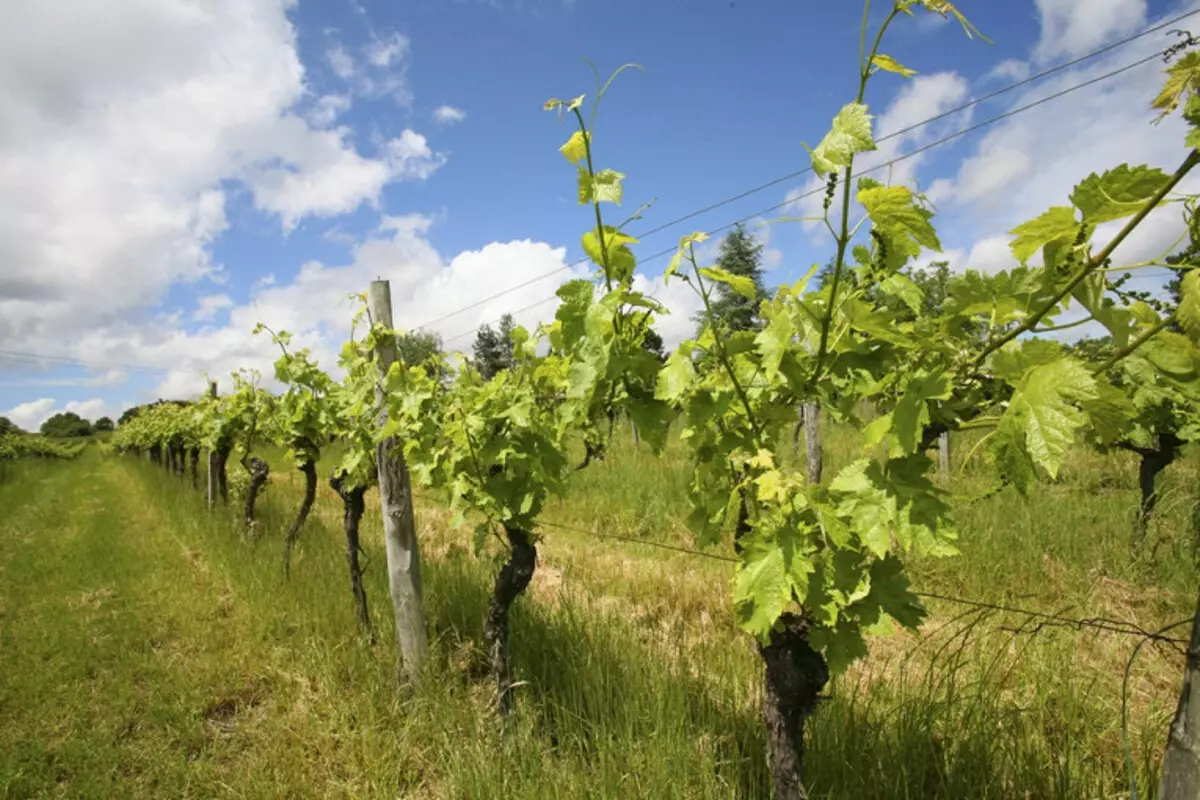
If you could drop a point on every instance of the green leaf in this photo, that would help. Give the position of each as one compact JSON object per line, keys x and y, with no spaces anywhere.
{"x":1118,"y":193}
{"x":773,"y":341}
{"x":850,"y":134}
{"x":902,"y":286}
{"x":739,"y":283}
{"x":890,"y":590}
{"x":1182,"y":76}
{"x":1188,"y":313}
{"x":890,"y":64}
{"x":676,"y":375}
{"x":761,"y":591}
{"x":605,"y":187}
{"x":895,"y":213}
{"x":575,"y":148}
{"x":1041,"y":410}
{"x":842,"y":645}
{"x":1056,"y":225}
{"x":621,"y":260}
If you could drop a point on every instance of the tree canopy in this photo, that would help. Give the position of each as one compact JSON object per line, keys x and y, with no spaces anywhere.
{"x":493,"y":349}
{"x":65,"y":424}
{"x":740,"y":255}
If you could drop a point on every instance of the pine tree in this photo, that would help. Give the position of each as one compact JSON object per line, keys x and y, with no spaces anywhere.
{"x":493,"y":349}
{"x":740,"y":254}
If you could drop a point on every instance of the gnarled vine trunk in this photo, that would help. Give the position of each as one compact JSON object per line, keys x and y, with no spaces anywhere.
{"x":794,"y":676}
{"x":193,"y":466}
{"x":1152,"y":461}
{"x":353,"y":506}
{"x":222,"y":475}
{"x":310,"y":494}
{"x":259,"y":472}
{"x":512,"y":580}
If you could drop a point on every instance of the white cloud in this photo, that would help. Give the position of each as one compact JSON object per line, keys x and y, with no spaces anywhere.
{"x":1071,"y":28}
{"x":208,"y":306}
{"x":410,"y":158}
{"x":30,"y":416}
{"x":340,"y":62}
{"x":381,"y":70}
{"x":386,"y":52}
{"x":1031,"y":161}
{"x":1011,"y":69}
{"x":109,"y":378}
{"x":448,"y":115}
{"x":316,"y":308}
{"x":327,"y":109}
{"x":122,"y":124}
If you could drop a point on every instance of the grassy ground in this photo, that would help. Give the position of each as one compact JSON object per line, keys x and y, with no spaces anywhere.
{"x":151,"y":649}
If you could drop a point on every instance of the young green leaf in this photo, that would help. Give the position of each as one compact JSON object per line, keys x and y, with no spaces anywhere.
{"x":575,"y":148}
{"x":739,"y":283}
{"x":851,"y":134}
{"x":676,"y":375}
{"x":894,"y":211}
{"x":761,"y":591}
{"x":1118,"y":193}
{"x":1189,"y":303}
{"x":1056,"y":225}
{"x":890,"y":64}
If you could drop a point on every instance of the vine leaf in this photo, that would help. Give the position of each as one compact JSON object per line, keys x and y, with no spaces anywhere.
{"x":1182,"y":76}
{"x":851,"y":134}
{"x":761,"y":591}
{"x":1058,"y":225}
{"x":676,"y":375}
{"x":1041,"y":414}
{"x":575,"y":148}
{"x":739,"y":283}
{"x":1117,"y":193}
{"x":886,"y":62}
{"x":895,"y":214}
{"x":1189,"y":304}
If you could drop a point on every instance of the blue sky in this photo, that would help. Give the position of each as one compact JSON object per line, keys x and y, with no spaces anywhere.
{"x":180,"y":176}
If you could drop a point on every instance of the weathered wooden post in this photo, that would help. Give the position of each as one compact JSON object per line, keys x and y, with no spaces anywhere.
{"x":395,"y":497}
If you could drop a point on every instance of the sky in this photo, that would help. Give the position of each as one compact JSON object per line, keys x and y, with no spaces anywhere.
{"x":174,"y":171}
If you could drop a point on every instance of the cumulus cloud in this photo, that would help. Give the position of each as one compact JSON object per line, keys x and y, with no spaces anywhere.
{"x":328,"y":108}
{"x":380,"y":68}
{"x":1031,"y":161}
{"x":122,"y":126}
{"x":208,"y":306}
{"x":448,"y":115}
{"x":30,"y":416}
{"x":1071,"y":28}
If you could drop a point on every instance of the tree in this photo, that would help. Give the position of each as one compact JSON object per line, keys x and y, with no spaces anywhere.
{"x":65,"y":424}
{"x":7,"y":426}
{"x":420,"y":347}
{"x":653,"y":344}
{"x":493,"y":349}
{"x":103,"y":424}
{"x":741,"y":256}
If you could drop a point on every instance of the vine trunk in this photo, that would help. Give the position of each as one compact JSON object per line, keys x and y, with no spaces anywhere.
{"x":353,"y":507}
{"x":512,"y":580}
{"x":310,"y":494}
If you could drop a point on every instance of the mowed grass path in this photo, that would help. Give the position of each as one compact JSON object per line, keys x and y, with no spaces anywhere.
{"x":150,"y":649}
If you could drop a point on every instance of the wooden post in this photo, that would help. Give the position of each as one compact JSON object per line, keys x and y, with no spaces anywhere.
{"x":1181,"y":760}
{"x":944,"y":454}
{"x":212,"y":459}
{"x":812,"y":441}
{"x":395,"y":497}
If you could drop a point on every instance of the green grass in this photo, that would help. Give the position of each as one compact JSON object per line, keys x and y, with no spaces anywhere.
{"x":151,"y":649}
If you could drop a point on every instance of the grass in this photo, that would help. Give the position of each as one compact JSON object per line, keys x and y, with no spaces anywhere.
{"x":153,"y":649}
